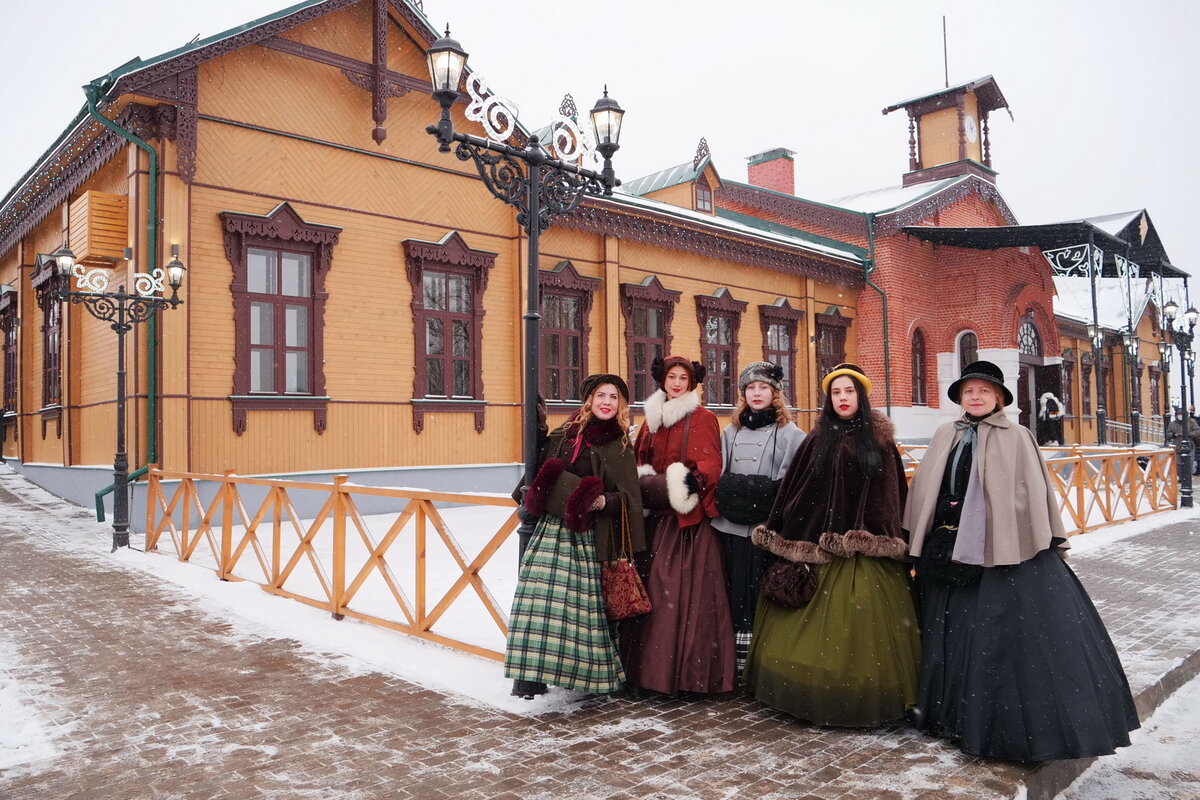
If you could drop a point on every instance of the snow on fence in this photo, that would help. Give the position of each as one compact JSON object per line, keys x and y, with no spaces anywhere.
{"x":448,"y":575}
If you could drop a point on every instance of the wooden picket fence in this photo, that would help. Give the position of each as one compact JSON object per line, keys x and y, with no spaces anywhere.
{"x":327,"y":562}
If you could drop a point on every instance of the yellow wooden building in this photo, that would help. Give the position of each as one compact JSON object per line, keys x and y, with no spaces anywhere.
{"x":353,"y":297}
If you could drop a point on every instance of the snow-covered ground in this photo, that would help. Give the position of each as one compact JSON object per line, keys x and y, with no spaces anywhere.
{"x":351,"y":645}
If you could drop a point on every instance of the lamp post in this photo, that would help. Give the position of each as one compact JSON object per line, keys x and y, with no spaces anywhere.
{"x":1164,"y":355}
{"x":122,"y":311}
{"x":539,"y":187}
{"x":1096,"y":334}
{"x":1182,"y":339}
{"x":1132,"y":345}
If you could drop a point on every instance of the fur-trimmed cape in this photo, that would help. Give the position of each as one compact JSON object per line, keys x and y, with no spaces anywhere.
{"x":832,"y":509}
{"x":660,"y":453}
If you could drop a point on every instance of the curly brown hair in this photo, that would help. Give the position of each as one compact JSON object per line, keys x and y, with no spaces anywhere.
{"x":783,"y":414}
{"x":622,"y":416}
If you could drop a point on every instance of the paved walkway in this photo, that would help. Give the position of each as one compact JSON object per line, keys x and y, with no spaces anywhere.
{"x":149,"y":697}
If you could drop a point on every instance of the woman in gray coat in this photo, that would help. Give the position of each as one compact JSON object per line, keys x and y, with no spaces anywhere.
{"x":756,"y":447}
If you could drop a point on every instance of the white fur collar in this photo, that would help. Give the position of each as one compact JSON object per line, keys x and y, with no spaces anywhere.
{"x":662,"y":412}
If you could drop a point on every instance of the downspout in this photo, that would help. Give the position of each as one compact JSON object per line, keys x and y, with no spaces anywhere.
{"x":887,"y":357}
{"x":93,"y":91}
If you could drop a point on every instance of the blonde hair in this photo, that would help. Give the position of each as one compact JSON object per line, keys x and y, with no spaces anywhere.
{"x":783,"y":414}
{"x":622,"y":416}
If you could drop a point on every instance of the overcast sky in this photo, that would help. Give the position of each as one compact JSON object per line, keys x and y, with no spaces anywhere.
{"x":1102,"y":92}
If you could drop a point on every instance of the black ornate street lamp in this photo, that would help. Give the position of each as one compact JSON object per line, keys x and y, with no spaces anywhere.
{"x":1096,"y":334}
{"x":1132,"y":345}
{"x":539,"y":187}
{"x":1182,"y":339}
{"x":122,"y":311}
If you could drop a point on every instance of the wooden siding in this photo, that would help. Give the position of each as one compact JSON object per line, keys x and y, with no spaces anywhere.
{"x":99,"y":228}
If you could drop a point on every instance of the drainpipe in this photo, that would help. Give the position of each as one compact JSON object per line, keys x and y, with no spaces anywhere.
{"x":887,"y":357}
{"x":93,"y":91}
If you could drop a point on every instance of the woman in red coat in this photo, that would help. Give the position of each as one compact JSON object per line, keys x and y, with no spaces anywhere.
{"x":685,"y":643}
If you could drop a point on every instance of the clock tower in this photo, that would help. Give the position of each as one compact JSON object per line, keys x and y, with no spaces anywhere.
{"x":948,"y":131}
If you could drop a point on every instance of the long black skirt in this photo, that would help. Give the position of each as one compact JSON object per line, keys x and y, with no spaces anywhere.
{"x":1019,"y":666}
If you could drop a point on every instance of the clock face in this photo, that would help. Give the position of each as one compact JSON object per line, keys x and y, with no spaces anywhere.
{"x":970,"y":128}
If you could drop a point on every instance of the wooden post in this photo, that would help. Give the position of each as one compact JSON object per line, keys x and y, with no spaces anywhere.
{"x":421,"y":565}
{"x":227,"y":493}
{"x":153,"y":490}
{"x":338,"y":590}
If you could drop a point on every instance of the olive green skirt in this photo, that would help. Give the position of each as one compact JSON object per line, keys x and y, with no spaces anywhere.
{"x":851,"y":657}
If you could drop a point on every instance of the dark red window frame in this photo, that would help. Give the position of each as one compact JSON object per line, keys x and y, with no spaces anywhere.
{"x":720,"y":318}
{"x":704,"y":196}
{"x":786,"y":321}
{"x":648,"y":296}
{"x":45,"y":285}
{"x":561,"y":288}
{"x":283,"y":229}
{"x":8,"y":336}
{"x":452,"y":257}
{"x":831,"y":330}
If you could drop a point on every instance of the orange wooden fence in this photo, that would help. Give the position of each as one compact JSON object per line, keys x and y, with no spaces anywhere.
{"x":269,"y":543}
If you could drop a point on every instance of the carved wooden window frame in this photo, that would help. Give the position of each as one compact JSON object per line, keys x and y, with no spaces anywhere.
{"x":1068,"y":387}
{"x":720,"y":389}
{"x":564,"y":281}
{"x":704,"y":195}
{"x":283,"y":229}
{"x":831,"y":328}
{"x":450,"y":255}
{"x":8,"y":351}
{"x":1138,"y":367}
{"x":45,"y":285}
{"x":651,"y":294}
{"x":1085,"y":385}
{"x":1155,"y":390}
{"x":920,"y":370}
{"x":781,"y":314}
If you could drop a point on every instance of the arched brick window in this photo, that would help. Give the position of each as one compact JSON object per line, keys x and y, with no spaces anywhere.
{"x":920,"y":390}
{"x":968,"y":349}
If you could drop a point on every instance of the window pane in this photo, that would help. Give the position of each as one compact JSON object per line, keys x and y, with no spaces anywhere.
{"x":462,"y":378}
{"x":433,"y":338}
{"x":571,"y":378}
{"x":639,"y":320}
{"x":654,"y":322}
{"x":262,"y":267}
{"x":462,"y":338}
{"x":262,"y":323}
{"x":296,"y":326}
{"x":262,"y":370}
{"x":640,"y":363}
{"x":297,"y":371}
{"x":551,"y":311}
{"x":572,"y":357}
{"x":297,"y":274}
{"x":550,"y":352}
{"x":460,"y":294}
{"x":551,"y":385}
{"x":571,"y":313}
{"x":434,"y":285}
{"x":435,"y":381}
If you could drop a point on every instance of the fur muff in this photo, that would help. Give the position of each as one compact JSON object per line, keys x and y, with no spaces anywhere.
{"x":578,"y":516}
{"x":646,"y":470}
{"x":543,"y":484}
{"x":789,"y":549}
{"x":860,"y":541}
{"x":680,"y":498}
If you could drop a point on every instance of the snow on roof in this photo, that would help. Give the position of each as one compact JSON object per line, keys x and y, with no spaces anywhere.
{"x":1112,"y":224}
{"x":845,"y":252}
{"x":1074,"y":300}
{"x":671,"y":176}
{"x":892,"y":198}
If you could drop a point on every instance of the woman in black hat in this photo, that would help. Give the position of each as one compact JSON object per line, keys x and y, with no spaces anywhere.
{"x":1016,"y":662}
{"x":850,"y":656}
{"x":586,"y":493}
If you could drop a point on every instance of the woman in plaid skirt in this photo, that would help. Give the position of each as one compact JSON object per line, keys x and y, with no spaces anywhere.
{"x":585,"y":493}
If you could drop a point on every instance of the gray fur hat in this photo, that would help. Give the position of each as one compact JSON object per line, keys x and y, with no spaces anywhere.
{"x":765,"y":371}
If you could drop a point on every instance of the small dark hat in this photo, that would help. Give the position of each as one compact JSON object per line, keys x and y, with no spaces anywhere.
{"x":765,"y":371}
{"x":593,"y":382}
{"x":984,"y":371}
{"x":661,"y":366}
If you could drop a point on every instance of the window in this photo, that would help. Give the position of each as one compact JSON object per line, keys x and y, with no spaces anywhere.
{"x":831,"y":343}
{"x":1155,"y":405}
{"x":704,"y":196}
{"x":448,"y":280}
{"x":720,"y":318}
{"x":648,"y":308}
{"x":51,"y":352}
{"x":1068,"y":390}
{"x":968,"y":350}
{"x":1085,"y":386}
{"x":779,"y":326}
{"x":920,"y":390}
{"x":279,"y":267}
{"x":1029,"y":341}
{"x":8,"y":330}
{"x":566,"y":307}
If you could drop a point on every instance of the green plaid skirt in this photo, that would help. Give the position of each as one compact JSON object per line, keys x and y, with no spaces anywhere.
{"x":558,"y":632}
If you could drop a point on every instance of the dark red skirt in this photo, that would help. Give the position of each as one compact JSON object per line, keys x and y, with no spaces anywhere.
{"x":685,"y":644}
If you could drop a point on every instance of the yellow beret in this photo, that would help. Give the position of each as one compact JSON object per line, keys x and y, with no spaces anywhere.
{"x":852,"y":370}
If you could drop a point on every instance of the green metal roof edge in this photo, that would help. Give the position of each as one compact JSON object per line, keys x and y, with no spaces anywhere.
{"x":775,"y":227}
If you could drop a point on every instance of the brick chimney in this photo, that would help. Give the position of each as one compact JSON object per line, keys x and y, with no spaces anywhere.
{"x":773,"y":170}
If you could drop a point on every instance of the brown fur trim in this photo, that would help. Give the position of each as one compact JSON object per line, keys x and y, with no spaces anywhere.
{"x":791,"y":550}
{"x":860,"y":541}
{"x":835,"y":544}
{"x":543,"y":484}
{"x":885,"y":430}
{"x":578,"y":515}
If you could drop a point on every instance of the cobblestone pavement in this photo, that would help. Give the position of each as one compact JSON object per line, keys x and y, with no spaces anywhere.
{"x":148,"y":697}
